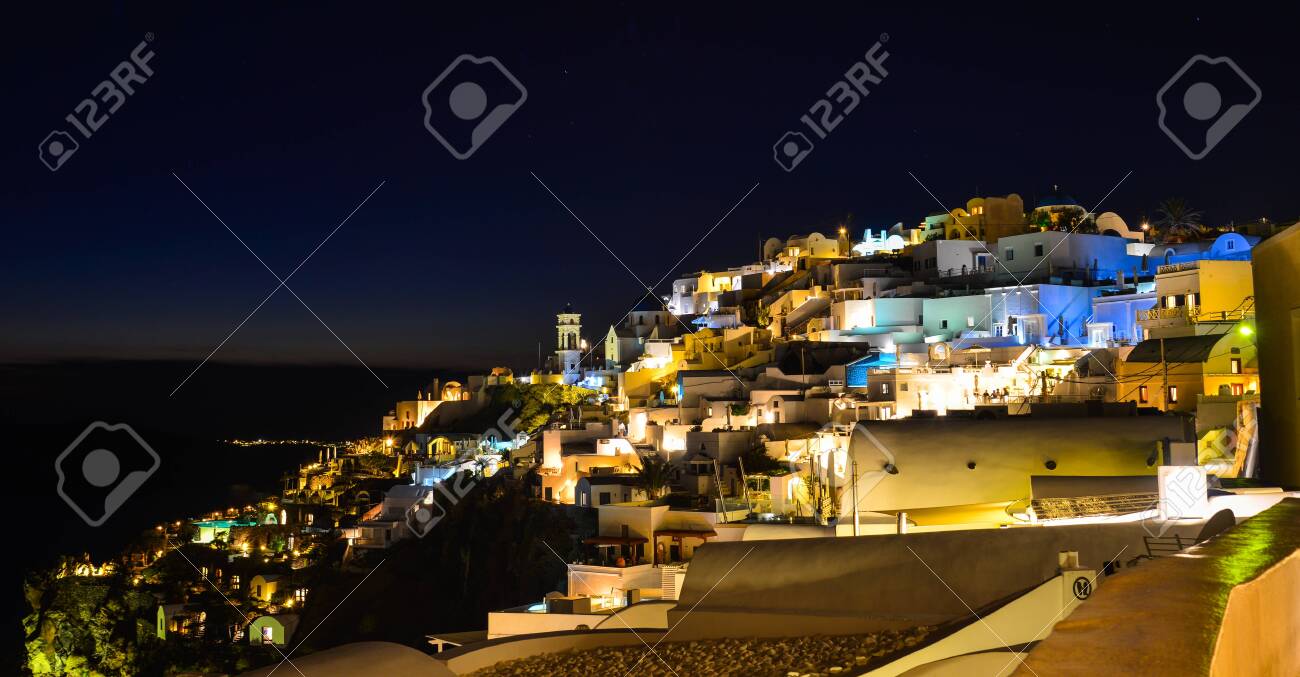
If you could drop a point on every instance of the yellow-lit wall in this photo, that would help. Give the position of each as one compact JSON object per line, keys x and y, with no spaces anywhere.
{"x":1224,"y":285}
{"x":931,"y":457}
{"x":1277,"y":308}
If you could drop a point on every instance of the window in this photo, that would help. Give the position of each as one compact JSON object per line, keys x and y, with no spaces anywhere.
{"x":903,"y":387}
{"x":268,"y":634}
{"x":1232,"y":245}
{"x":604,"y":498}
{"x":945,"y":324}
{"x":1142,"y":394}
{"x":1238,"y":389}
{"x":1011,"y":255}
{"x":970,"y":320}
{"x":884,"y":388}
{"x":1236,"y":365}
{"x":1038,"y":250}
{"x":1173,"y":394}
{"x":549,"y":493}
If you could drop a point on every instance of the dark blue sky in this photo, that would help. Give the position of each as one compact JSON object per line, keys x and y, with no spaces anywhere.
{"x":649,"y":124}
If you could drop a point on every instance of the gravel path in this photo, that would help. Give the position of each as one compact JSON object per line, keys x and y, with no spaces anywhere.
{"x":818,"y":656}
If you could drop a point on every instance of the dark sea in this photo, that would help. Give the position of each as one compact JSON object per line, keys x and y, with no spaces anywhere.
{"x":44,"y":408}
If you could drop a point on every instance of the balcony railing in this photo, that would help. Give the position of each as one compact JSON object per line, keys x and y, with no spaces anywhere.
{"x":1177,"y":267}
{"x":1160,"y":313}
{"x":1194,"y":314}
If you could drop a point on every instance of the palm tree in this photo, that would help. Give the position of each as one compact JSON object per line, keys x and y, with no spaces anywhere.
{"x":1176,"y":221}
{"x":654,"y":475}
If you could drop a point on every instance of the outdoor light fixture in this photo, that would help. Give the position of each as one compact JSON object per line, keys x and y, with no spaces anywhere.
{"x":1246,"y":330}
{"x":1050,"y":464}
{"x":970,"y":465}
{"x":891,"y":468}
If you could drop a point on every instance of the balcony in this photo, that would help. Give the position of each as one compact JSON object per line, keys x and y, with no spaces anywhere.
{"x":1177,"y":267}
{"x":1194,"y":314}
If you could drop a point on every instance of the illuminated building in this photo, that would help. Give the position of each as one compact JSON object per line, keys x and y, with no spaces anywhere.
{"x":985,"y":219}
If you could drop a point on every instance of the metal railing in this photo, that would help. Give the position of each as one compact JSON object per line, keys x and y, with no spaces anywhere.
{"x":1177,"y":267}
{"x":1194,"y":314}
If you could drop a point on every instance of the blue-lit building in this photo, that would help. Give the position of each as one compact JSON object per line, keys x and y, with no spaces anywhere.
{"x":855,"y":372}
{"x":1226,"y":247}
{"x":1114,"y":315}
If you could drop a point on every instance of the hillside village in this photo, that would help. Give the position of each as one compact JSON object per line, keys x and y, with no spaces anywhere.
{"x":1037,"y":374}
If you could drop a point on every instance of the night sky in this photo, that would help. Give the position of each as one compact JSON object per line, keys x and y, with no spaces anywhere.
{"x":650,"y":125}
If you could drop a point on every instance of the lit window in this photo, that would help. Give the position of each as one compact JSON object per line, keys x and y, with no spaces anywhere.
{"x":1142,"y":394}
{"x":1173,"y":394}
{"x":884,"y":388}
{"x":1238,"y":389}
{"x":970,"y":320}
{"x":1236,"y":365}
